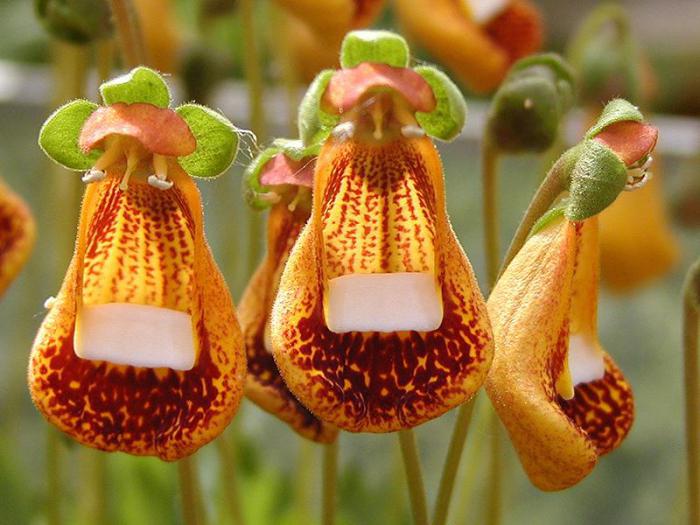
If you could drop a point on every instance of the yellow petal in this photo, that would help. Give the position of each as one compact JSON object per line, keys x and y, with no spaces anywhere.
{"x":264,"y":385}
{"x":141,"y":246}
{"x":17,"y":233}
{"x":547,"y":295}
{"x":379,"y":208}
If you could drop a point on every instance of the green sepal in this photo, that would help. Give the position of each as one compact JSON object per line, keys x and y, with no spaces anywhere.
{"x":75,"y":21}
{"x":60,"y":133}
{"x":528,"y":108}
{"x":597,"y":178}
{"x":616,"y":110}
{"x":374,"y":46}
{"x":141,"y":84}
{"x":253,"y":190}
{"x":314,"y":123}
{"x":217,"y":141}
{"x":555,"y":212}
{"x":446,"y":121}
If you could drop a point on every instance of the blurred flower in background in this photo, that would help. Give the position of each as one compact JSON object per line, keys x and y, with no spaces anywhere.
{"x":17,"y":233}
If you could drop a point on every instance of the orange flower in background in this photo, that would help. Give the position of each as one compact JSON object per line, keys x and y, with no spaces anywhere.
{"x":290,"y":182}
{"x":477,"y":40}
{"x":379,"y":323}
{"x":161,"y":33}
{"x":141,"y":350}
{"x":17,"y":232}
{"x":561,"y":397}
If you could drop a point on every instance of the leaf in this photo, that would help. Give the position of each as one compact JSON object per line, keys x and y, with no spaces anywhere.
{"x":446,"y":121}
{"x":141,"y":84}
{"x":314,"y":123}
{"x":217,"y":141}
{"x":374,"y":46}
{"x":59,"y":135}
{"x":615,"y":111}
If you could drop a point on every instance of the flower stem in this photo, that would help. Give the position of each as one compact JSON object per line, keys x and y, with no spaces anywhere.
{"x":129,"y":34}
{"x":53,"y":477}
{"x":495,"y":488}
{"x":414,"y":477}
{"x":256,"y":108}
{"x":489,"y":177}
{"x":691,"y":307}
{"x":452,"y":460}
{"x":191,"y":497}
{"x":330,"y":475}
{"x":227,"y":464}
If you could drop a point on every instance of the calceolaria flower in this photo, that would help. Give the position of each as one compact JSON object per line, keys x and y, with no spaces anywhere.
{"x":561,"y":397}
{"x":379,"y":323}
{"x":141,"y":350}
{"x":281,"y":177}
{"x":477,"y":39}
{"x":17,"y":234}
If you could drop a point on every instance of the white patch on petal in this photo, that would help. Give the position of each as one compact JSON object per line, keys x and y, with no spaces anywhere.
{"x":384,"y":302}
{"x":136,"y":335}
{"x":586,"y":362}
{"x":484,"y":11}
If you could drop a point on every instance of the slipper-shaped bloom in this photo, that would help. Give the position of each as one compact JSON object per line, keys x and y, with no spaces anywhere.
{"x":477,"y":39}
{"x":17,"y":234}
{"x":141,"y":350}
{"x":561,"y":397}
{"x":283,"y":178}
{"x":379,"y":323}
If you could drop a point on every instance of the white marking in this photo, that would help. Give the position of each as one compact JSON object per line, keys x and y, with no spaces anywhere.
{"x":484,"y":11}
{"x":135,"y":335}
{"x":384,"y":302}
{"x":586,"y":362}
{"x":50,"y":301}
{"x":344,"y":131}
{"x":93,"y":175}
{"x":161,"y":184}
{"x":411,"y":131}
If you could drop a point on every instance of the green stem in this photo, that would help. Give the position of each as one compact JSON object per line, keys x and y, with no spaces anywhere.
{"x":191,"y":496}
{"x":227,"y":464}
{"x":452,"y":460}
{"x":130,"y":39}
{"x":53,"y":477}
{"x":691,"y":307}
{"x":93,"y":501}
{"x":495,"y":489}
{"x":330,"y":477}
{"x":414,"y":477}
{"x":489,"y":176}
{"x":258,"y":124}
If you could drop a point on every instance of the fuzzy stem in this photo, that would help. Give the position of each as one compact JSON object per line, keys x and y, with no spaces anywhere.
{"x":449,"y":470}
{"x":129,"y":35}
{"x":691,"y":307}
{"x":191,"y":497}
{"x":229,"y":480}
{"x":256,"y":108}
{"x":414,"y":477}
{"x":330,"y":475}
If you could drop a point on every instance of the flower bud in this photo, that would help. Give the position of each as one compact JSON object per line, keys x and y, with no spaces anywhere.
{"x":76,"y":21}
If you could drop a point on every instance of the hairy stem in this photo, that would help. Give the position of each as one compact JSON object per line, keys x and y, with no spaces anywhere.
{"x":414,"y":477}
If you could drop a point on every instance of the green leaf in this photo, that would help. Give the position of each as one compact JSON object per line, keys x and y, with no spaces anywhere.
{"x":217,"y":141}
{"x":314,"y":123}
{"x":446,"y":121}
{"x":550,"y":217}
{"x":616,"y":110}
{"x":295,"y":148}
{"x":141,"y":84}
{"x":597,"y":179}
{"x":60,"y":133}
{"x":374,"y":46}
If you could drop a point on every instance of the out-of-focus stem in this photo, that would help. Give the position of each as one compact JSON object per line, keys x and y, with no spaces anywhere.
{"x":691,"y":309}
{"x":330,"y":480}
{"x":229,"y":478}
{"x":53,"y":477}
{"x":128,"y":31}
{"x":489,"y":177}
{"x":191,"y":497}
{"x":414,"y":476}
{"x":495,"y":487}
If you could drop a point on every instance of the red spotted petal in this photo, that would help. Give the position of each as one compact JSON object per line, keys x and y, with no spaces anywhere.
{"x":159,"y":130}
{"x":141,"y":246}
{"x":348,"y":87}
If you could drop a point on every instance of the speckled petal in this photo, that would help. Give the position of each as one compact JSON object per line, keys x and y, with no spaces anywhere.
{"x":264,"y":385}
{"x":17,"y":232}
{"x":379,"y":208}
{"x":141,"y":246}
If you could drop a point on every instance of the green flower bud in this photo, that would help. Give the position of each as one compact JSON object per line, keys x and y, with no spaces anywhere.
{"x":76,"y":21}
{"x":530,"y":104}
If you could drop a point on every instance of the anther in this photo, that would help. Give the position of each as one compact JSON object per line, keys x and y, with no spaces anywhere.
{"x":411,"y":131}
{"x":344,"y":131}
{"x":50,"y":301}
{"x":93,"y":175}
{"x":161,"y":184}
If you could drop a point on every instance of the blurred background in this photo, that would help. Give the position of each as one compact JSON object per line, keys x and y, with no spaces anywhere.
{"x":276,"y":473}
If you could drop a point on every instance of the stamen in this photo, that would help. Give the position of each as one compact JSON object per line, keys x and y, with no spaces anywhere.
{"x":160,"y":179}
{"x":110,"y":156}
{"x":161,"y":184}
{"x":411,"y":131}
{"x":344,"y":131}
{"x":49,"y":302}
{"x":132,"y":161}
{"x":377,"y":113}
{"x":93,"y":175}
